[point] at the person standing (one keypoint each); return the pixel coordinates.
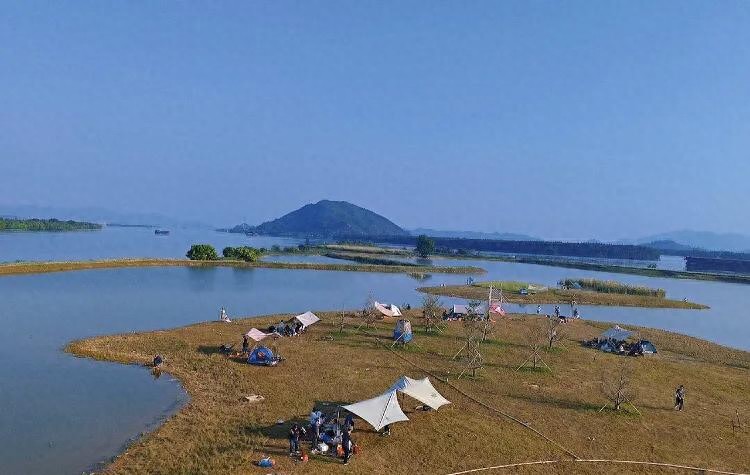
(679, 398)
(245, 344)
(557, 311)
(346, 441)
(294, 433)
(538, 309)
(315, 426)
(349, 422)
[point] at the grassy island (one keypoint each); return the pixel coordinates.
(546, 295)
(503, 416)
(15, 268)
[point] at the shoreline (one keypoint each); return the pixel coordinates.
(23, 268)
(214, 385)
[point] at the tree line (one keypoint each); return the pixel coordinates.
(206, 252)
(35, 224)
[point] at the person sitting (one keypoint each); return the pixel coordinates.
(158, 361)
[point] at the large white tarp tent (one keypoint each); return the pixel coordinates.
(307, 319)
(389, 310)
(379, 411)
(616, 333)
(420, 389)
(256, 334)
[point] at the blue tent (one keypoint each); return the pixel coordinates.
(262, 356)
(402, 332)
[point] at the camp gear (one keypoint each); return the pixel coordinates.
(402, 332)
(389, 310)
(380, 410)
(263, 356)
(421, 390)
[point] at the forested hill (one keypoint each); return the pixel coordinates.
(327, 219)
(14, 224)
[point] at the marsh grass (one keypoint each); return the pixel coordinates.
(218, 432)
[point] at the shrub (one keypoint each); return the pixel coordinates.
(202, 252)
(243, 253)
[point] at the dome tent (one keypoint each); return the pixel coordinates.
(262, 356)
(402, 331)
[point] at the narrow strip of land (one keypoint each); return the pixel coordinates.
(562, 296)
(44, 267)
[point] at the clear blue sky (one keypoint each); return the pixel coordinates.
(566, 119)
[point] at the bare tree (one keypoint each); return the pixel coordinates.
(616, 385)
(432, 311)
(536, 339)
(552, 331)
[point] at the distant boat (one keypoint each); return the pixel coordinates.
(161, 232)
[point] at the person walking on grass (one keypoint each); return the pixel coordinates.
(346, 442)
(294, 434)
(679, 398)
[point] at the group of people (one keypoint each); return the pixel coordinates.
(292, 327)
(564, 319)
(327, 435)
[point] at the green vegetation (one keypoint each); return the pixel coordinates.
(364, 259)
(611, 286)
(542, 248)
(244, 253)
(543, 295)
(12, 224)
(202, 252)
(218, 431)
(425, 246)
(509, 285)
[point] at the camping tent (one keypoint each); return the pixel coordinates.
(262, 356)
(464, 310)
(379, 411)
(389, 310)
(307, 319)
(616, 334)
(421, 390)
(255, 334)
(402, 331)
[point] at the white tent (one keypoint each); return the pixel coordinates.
(421, 390)
(379, 411)
(256, 334)
(389, 310)
(307, 319)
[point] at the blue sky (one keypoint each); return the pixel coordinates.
(558, 119)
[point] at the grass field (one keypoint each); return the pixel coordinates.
(42, 267)
(219, 432)
(479, 291)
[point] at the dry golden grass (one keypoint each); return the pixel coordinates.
(560, 296)
(43, 267)
(216, 432)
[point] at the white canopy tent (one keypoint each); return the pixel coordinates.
(421, 390)
(379, 411)
(389, 310)
(256, 335)
(307, 319)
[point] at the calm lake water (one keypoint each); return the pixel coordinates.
(63, 414)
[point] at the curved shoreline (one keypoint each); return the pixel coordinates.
(21, 268)
(571, 405)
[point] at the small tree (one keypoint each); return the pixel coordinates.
(425, 246)
(202, 252)
(616, 386)
(552, 331)
(431, 311)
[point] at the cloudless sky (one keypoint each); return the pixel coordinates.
(603, 119)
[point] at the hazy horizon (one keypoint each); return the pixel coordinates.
(604, 120)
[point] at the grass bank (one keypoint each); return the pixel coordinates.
(43, 267)
(219, 432)
(478, 291)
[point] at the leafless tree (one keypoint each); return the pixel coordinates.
(616, 385)
(552, 331)
(432, 311)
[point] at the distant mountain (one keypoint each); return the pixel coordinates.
(327, 219)
(473, 235)
(703, 239)
(667, 245)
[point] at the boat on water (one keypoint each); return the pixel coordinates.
(161, 232)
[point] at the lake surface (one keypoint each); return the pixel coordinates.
(63, 414)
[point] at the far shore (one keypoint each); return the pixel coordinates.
(19, 268)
